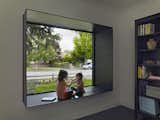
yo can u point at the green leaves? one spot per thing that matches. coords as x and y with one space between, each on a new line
42 43
83 47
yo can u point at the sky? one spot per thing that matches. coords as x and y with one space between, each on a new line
67 36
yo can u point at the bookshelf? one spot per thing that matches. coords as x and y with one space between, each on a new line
147 87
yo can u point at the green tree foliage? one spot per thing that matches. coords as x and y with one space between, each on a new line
82 47
42 43
68 57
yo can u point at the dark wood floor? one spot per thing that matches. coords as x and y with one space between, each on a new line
117 113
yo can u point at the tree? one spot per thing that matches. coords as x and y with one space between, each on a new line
68 57
42 43
82 47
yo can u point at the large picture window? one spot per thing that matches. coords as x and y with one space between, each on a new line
51 49
64 58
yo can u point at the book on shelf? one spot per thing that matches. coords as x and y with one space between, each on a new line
146 29
153 91
153 77
139 72
142 72
149 105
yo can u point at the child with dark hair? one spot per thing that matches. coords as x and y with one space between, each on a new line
62 93
80 85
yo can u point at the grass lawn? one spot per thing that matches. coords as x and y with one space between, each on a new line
40 88
87 82
45 88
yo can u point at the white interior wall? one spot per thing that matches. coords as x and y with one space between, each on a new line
125 44
11 106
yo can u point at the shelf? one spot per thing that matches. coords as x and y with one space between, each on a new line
150 35
158 99
147 114
143 79
148 80
148 51
149 59
150 65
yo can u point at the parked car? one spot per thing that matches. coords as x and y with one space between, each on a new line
87 66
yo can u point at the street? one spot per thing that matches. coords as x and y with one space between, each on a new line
31 75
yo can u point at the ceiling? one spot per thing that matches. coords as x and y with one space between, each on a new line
116 3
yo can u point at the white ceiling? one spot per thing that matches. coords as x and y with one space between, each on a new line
116 3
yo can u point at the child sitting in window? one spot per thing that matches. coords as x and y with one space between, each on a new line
80 85
61 90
